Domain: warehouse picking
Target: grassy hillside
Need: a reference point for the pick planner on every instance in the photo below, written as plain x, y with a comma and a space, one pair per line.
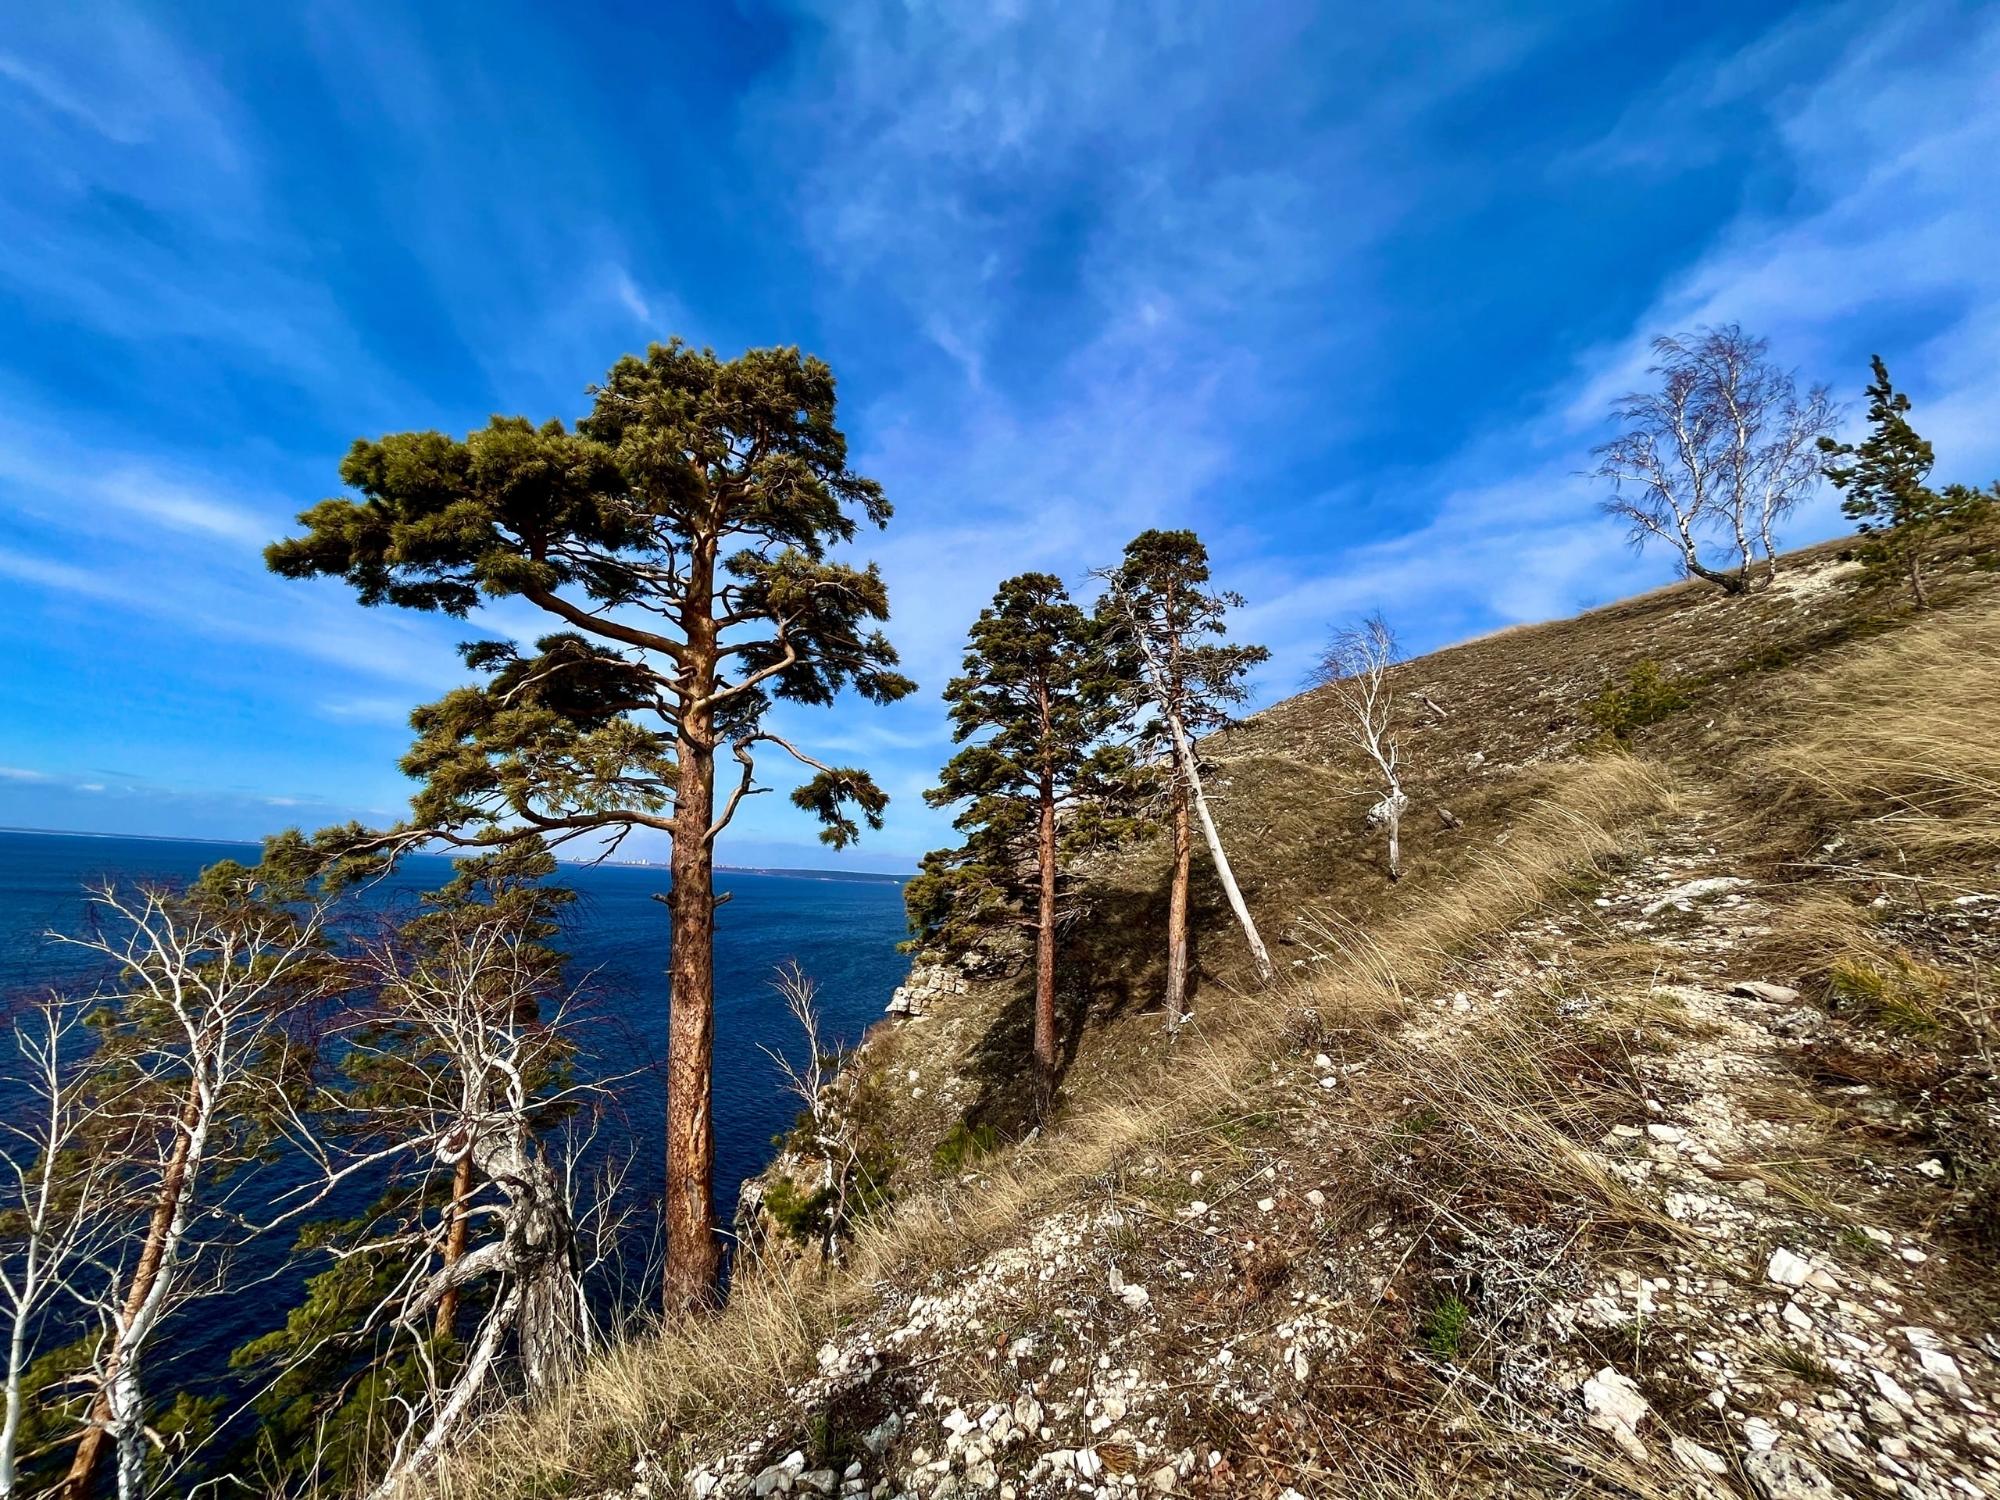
1643, 1140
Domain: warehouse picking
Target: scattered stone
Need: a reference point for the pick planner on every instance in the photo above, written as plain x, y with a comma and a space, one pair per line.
1697, 1459
1688, 892
1780, 1474
1758, 989
1614, 1407
1787, 1268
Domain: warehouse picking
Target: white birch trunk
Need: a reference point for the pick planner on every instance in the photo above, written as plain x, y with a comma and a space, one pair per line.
470, 1379
1185, 752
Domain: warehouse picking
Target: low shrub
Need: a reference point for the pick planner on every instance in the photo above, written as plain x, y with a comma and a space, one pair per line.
1900, 995
962, 1145
1444, 1327
1646, 696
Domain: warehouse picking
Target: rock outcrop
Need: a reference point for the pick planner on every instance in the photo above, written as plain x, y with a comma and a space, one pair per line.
930, 981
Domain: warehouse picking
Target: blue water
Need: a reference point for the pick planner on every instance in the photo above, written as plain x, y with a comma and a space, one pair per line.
844, 933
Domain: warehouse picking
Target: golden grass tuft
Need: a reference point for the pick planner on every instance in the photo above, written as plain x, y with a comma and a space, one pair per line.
1901, 740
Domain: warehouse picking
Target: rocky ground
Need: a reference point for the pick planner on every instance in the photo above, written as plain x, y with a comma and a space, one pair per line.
1350, 1281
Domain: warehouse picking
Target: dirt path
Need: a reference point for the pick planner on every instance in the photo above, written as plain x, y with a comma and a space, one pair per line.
1819, 1339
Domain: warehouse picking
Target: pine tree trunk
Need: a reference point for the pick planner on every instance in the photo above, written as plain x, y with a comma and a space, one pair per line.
1045, 952
454, 1244
1917, 588
1177, 908
694, 1257
90, 1447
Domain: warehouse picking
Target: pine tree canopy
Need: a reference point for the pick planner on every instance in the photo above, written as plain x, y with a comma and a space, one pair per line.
680, 535
1884, 487
1159, 604
1041, 696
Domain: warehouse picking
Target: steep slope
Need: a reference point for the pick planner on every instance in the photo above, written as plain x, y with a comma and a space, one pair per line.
1642, 1141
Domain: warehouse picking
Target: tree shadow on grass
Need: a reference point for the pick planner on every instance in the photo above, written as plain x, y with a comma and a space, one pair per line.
1110, 962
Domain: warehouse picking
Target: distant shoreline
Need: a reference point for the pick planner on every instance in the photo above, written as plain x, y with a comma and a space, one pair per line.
791, 874
150, 838
785, 872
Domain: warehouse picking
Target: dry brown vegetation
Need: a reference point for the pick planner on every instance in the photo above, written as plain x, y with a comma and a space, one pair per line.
1856, 761
1897, 745
680, 1381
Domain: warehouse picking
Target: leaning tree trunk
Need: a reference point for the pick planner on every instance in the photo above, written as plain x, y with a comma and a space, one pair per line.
1237, 904
553, 1323
89, 1453
542, 1301
454, 1244
479, 1362
1045, 951
694, 1256
1177, 908
1395, 833
1729, 583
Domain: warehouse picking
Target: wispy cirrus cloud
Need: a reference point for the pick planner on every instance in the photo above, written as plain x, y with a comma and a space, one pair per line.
1351, 301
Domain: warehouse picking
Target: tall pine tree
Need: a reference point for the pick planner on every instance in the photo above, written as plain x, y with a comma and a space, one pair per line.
1159, 607
1040, 784
681, 538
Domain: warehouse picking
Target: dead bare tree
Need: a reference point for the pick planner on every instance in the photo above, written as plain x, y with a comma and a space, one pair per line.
818, 1085
187, 1064
1726, 444
61, 1201
468, 1057
1355, 668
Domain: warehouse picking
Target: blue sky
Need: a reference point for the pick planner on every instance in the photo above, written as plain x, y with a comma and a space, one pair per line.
1350, 299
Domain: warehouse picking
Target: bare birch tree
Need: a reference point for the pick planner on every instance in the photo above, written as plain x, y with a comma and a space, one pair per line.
192, 1056
1727, 445
60, 1205
818, 1085
1355, 668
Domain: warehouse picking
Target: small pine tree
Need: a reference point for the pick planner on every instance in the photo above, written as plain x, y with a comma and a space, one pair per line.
1902, 518
1040, 783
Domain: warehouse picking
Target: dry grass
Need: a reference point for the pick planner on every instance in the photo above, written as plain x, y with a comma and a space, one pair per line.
1524, 1104
1901, 741
662, 1392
